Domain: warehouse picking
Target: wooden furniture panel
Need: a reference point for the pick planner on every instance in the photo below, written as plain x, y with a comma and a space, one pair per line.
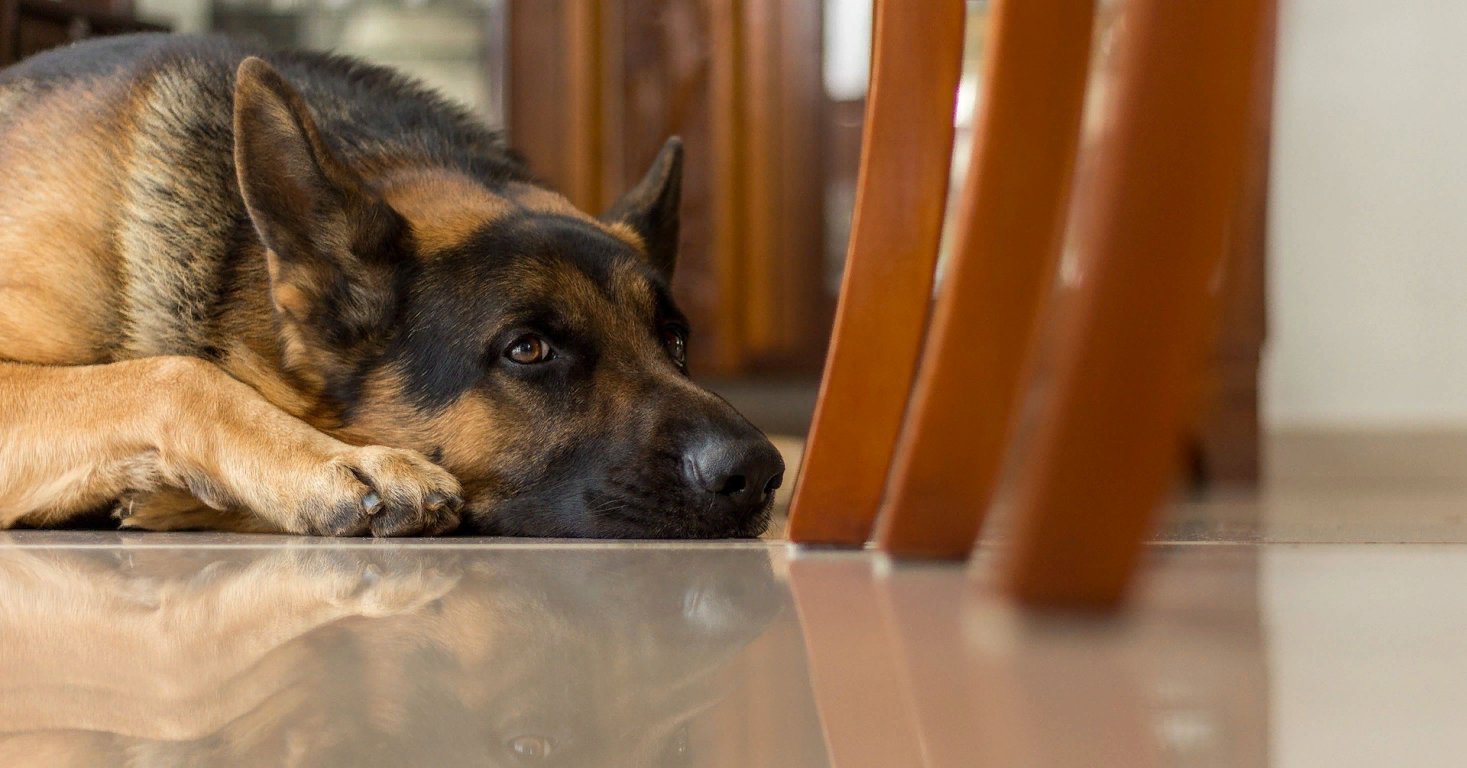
782, 162
32, 26
1228, 436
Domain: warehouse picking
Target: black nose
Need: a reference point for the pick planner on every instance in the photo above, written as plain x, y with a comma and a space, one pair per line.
744, 471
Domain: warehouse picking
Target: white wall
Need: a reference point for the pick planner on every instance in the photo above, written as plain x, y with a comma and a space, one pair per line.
1368, 294
179, 15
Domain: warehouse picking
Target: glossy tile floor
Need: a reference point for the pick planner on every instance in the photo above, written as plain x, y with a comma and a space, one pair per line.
181, 649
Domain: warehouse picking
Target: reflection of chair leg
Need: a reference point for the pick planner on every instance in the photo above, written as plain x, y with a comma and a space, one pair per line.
906, 151
1107, 442
1011, 226
923, 610
865, 707
992, 687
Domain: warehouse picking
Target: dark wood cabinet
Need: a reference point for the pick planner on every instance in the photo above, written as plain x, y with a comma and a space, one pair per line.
32, 26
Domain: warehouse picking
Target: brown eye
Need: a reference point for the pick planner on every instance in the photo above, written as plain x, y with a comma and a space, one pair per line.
529, 349
676, 341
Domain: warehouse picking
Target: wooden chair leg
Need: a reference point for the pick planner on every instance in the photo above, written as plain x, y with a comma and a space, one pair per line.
887, 288
1106, 448
1009, 232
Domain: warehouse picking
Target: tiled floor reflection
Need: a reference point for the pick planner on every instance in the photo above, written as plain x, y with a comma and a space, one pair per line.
166, 650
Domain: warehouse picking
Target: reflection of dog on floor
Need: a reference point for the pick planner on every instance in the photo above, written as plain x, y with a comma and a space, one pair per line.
317, 657
282, 291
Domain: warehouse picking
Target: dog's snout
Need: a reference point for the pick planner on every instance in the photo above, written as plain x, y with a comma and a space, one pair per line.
744, 471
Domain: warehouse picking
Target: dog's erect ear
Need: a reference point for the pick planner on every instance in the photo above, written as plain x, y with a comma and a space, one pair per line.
333, 243
651, 207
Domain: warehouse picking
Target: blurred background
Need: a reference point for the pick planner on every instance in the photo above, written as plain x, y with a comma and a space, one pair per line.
1341, 364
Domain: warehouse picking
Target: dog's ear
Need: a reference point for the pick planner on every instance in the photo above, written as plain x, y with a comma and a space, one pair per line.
333, 244
651, 207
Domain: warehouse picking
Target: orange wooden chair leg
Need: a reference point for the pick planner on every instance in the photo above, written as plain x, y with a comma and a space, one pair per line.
906, 152
1010, 228
1106, 448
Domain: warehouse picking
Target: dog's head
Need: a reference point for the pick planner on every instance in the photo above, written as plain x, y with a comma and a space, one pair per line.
532, 350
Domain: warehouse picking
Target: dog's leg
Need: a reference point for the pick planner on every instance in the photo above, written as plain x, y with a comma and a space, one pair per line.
73, 439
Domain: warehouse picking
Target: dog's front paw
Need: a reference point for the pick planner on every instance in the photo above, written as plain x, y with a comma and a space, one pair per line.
385, 492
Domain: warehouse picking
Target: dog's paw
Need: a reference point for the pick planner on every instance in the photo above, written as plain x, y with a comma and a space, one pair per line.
386, 492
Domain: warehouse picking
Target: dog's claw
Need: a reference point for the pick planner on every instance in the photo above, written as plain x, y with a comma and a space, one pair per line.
122, 508
393, 492
438, 501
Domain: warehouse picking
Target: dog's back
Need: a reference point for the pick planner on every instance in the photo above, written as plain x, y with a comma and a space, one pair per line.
121, 222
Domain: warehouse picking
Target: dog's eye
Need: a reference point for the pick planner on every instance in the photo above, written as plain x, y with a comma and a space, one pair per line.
676, 341
529, 349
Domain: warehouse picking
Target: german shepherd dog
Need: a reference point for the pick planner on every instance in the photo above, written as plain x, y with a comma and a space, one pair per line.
257, 290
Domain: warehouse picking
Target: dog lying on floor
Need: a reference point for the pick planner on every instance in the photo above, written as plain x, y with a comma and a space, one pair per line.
282, 291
